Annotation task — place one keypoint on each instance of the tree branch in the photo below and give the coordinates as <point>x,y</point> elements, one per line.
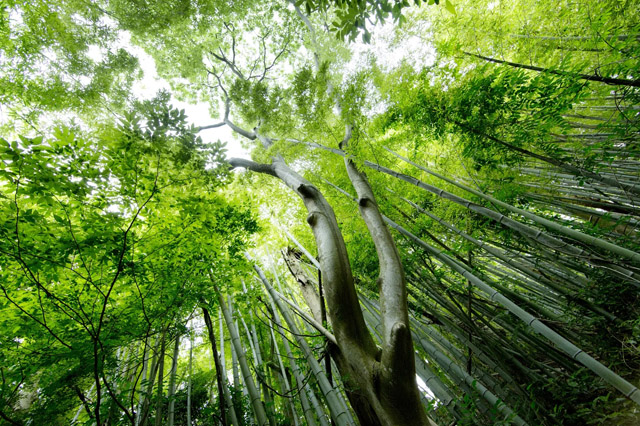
<point>251,165</point>
<point>210,126</point>
<point>391,281</point>
<point>344,308</point>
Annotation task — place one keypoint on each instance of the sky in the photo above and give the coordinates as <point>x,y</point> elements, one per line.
<point>413,49</point>
<point>197,114</point>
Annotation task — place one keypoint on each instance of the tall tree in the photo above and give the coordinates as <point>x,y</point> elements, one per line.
<point>483,271</point>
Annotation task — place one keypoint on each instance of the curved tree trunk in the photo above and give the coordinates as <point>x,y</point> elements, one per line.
<point>385,379</point>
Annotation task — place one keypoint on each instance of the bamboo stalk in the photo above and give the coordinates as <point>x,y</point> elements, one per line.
<point>588,239</point>
<point>256,403</point>
<point>338,413</point>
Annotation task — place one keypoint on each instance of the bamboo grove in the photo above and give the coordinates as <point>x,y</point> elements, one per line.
<point>466,252</point>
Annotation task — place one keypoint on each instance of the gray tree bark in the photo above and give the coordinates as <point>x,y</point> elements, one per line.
<point>385,378</point>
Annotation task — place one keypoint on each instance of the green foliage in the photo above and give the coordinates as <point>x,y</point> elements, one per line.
<point>489,103</point>
<point>201,407</point>
<point>113,234</point>
<point>352,16</point>
<point>89,224</point>
<point>164,129</point>
<point>312,102</point>
<point>60,57</point>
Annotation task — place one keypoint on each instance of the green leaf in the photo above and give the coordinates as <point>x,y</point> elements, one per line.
<point>449,7</point>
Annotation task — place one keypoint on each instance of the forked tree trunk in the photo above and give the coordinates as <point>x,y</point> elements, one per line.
<point>385,380</point>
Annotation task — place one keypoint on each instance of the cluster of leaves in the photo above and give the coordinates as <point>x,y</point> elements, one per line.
<point>105,238</point>
<point>352,16</point>
<point>311,99</point>
<point>489,103</point>
<point>261,104</point>
<point>56,57</point>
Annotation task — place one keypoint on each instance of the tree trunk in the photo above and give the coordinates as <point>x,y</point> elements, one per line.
<point>306,285</point>
<point>220,378</point>
<point>385,380</point>
<point>172,382</point>
<point>256,403</point>
<point>159,394</point>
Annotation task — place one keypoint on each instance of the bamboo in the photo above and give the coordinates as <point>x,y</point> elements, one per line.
<point>588,239</point>
<point>300,383</point>
<point>172,383</point>
<point>190,374</point>
<point>256,403</point>
<point>561,343</point>
<point>159,393</point>
<point>222,375</point>
<point>527,269</point>
<point>339,415</point>
<point>152,376</point>
<point>145,363</point>
<point>287,385</point>
<point>588,77</point>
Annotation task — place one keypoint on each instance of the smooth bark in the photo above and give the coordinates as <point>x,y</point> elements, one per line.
<point>254,396</point>
<point>220,377</point>
<point>172,382</point>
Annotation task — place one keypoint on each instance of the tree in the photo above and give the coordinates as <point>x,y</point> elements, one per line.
<point>509,288</point>
<point>58,57</point>
<point>88,220</point>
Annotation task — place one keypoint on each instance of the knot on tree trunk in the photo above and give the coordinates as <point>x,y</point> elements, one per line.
<point>312,219</point>
<point>305,190</point>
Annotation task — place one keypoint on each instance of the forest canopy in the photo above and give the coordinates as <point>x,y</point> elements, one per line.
<point>435,221</point>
